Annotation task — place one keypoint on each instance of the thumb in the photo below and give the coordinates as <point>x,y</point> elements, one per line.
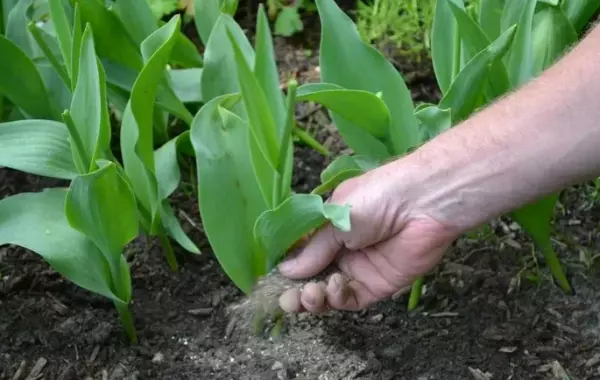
<point>317,254</point>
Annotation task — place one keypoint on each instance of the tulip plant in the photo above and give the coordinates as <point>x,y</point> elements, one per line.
<point>102,58</point>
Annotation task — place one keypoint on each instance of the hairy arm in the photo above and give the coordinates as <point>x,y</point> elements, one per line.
<point>537,140</point>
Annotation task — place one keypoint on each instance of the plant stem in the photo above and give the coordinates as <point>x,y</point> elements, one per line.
<point>415,293</point>
<point>84,161</point>
<point>168,249</point>
<point>127,321</point>
<point>286,140</point>
<point>555,268</point>
<point>306,138</point>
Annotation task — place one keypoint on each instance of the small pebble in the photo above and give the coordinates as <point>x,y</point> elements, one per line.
<point>158,358</point>
<point>377,318</point>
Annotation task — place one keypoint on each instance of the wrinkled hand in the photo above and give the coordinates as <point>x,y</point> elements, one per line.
<point>392,243</point>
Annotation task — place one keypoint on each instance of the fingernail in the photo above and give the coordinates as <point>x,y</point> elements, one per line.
<point>310,300</point>
<point>287,266</point>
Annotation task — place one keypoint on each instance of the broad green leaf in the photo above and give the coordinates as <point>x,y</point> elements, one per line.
<point>342,168</point>
<point>519,60</point>
<point>474,41</point>
<point>62,29</point>
<point>445,45</point>
<point>39,147</point>
<point>265,70</point>
<point>206,13</point>
<point>110,36</point>
<point>90,138</point>
<point>536,218</point>
<point>166,98</point>
<point>345,60</point>
<point>553,35</point>
<point>137,18</point>
<point>51,50</point>
<point>37,221</point>
<point>278,229</point>
<point>185,53</point>
<point>229,196</point>
<point>435,119</point>
<point>168,176</point>
<point>102,206</point>
<point>27,89</point>
<point>362,108</point>
<point>16,28</point>
<point>219,76</point>
<point>490,15</point>
<point>137,126</point>
<point>464,94</point>
<point>580,12</point>
<point>259,116</point>
<point>186,84</point>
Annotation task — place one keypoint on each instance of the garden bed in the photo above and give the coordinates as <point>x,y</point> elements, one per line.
<point>486,313</point>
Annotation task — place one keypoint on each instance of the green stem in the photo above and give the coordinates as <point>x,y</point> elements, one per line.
<point>306,138</point>
<point>415,293</point>
<point>127,321</point>
<point>61,71</point>
<point>168,249</point>
<point>456,52</point>
<point>555,268</point>
<point>285,142</point>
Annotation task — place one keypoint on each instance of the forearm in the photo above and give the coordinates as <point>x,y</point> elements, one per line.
<point>537,140</point>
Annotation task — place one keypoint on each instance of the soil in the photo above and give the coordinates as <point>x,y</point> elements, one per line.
<point>487,311</point>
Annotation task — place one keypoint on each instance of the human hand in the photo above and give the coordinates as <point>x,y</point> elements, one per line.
<point>393,241</point>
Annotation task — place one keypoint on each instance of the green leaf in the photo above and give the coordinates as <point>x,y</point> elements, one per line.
<point>475,41</point>
<point>259,115</point>
<point>342,44</point>
<point>278,229</point>
<point>27,89</point>
<point>137,126</point>
<point>519,60</point>
<point>16,28</point>
<point>435,119</point>
<point>186,84</point>
<point>89,109</point>
<point>39,147</point>
<point>102,206</point>
<point>580,12</point>
<point>536,218</point>
<point>206,16</point>
<point>342,168</point>
<point>166,98</point>
<point>219,76</point>
<point>553,35</point>
<point>76,45</point>
<point>37,221</point>
<point>62,29</point>
<point>110,36</point>
<point>464,94</point>
<point>265,70</point>
<point>185,53</point>
<point>288,22</point>
<point>137,18</point>
<point>445,45</point>
<point>359,107</point>
<point>229,196</point>
<point>490,15</point>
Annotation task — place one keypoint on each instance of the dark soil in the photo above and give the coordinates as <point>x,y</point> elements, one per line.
<point>487,311</point>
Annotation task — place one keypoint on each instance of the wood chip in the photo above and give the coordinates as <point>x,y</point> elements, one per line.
<point>203,311</point>
<point>508,350</point>
<point>20,370</point>
<point>479,374</point>
<point>37,369</point>
<point>444,314</point>
<point>94,354</point>
<point>594,360</point>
